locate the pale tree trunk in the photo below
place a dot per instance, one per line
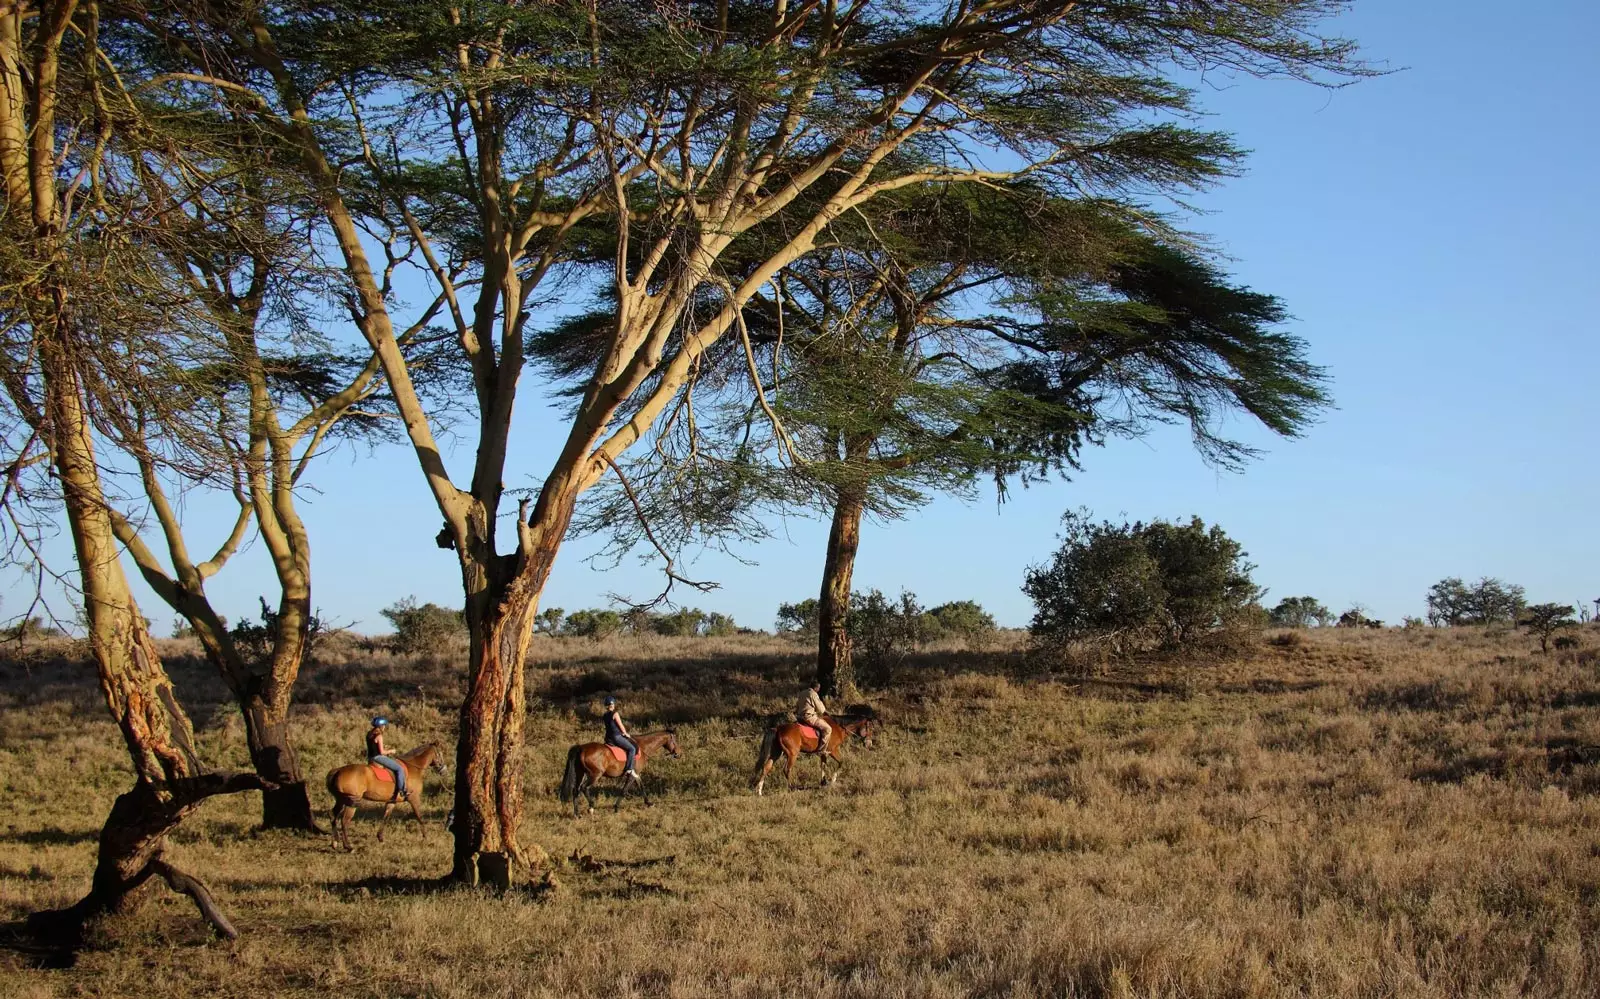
(169, 779)
(835, 656)
(261, 692)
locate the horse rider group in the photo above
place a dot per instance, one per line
(810, 711)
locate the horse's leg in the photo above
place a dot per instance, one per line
(345, 811)
(788, 766)
(622, 792)
(822, 762)
(414, 797)
(385, 823)
(594, 790)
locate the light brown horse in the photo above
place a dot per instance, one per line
(792, 739)
(357, 784)
(591, 761)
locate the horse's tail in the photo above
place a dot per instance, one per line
(768, 742)
(569, 780)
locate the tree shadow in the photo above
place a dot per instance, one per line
(384, 884)
(49, 836)
(33, 952)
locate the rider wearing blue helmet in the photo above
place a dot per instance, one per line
(617, 735)
(376, 753)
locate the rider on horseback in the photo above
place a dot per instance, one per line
(617, 735)
(376, 753)
(810, 712)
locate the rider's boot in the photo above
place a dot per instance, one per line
(630, 774)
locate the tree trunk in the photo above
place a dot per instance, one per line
(263, 703)
(288, 806)
(502, 601)
(835, 660)
(169, 782)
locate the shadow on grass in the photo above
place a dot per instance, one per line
(382, 884)
(49, 836)
(34, 952)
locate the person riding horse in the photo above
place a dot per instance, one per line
(377, 753)
(811, 711)
(617, 735)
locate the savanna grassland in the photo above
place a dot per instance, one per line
(1332, 814)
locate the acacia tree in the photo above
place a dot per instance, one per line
(246, 408)
(489, 134)
(73, 266)
(994, 331)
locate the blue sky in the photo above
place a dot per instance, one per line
(1432, 231)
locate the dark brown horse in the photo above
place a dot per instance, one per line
(590, 761)
(792, 739)
(359, 784)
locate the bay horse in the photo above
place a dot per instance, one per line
(792, 738)
(359, 784)
(590, 761)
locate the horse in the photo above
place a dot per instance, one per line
(793, 738)
(357, 783)
(590, 761)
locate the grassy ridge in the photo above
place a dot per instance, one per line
(1360, 814)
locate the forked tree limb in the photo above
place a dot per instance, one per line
(188, 884)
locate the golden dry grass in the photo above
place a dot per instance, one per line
(1359, 814)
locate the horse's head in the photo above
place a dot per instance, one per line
(672, 744)
(434, 763)
(864, 730)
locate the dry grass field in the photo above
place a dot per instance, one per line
(1349, 814)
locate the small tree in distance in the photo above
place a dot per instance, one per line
(1452, 602)
(1545, 620)
(1300, 612)
(1140, 584)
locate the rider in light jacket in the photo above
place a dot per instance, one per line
(810, 712)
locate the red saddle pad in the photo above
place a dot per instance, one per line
(807, 729)
(381, 772)
(617, 751)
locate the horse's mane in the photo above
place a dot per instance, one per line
(412, 753)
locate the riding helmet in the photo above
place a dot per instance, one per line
(379, 722)
(611, 702)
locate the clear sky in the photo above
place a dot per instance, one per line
(1432, 231)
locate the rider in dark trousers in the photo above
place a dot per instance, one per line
(376, 753)
(617, 735)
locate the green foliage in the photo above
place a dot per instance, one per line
(595, 624)
(958, 619)
(255, 640)
(884, 632)
(1300, 612)
(1452, 602)
(684, 622)
(423, 629)
(800, 618)
(31, 627)
(1545, 620)
(1141, 584)
(549, 621)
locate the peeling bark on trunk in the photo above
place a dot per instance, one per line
(835, 657)
(169, 782)
(500, 615)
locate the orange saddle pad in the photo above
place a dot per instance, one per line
(807, 729)
(381, 772)
(617, 751)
